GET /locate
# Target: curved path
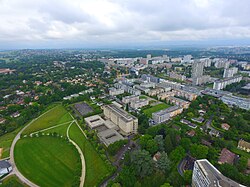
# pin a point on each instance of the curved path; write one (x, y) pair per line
(82, 179)
(12, 160)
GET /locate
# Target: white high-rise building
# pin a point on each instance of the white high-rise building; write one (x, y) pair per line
(206, 175)
(230, 72)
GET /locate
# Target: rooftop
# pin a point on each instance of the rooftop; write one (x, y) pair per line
(168, 110)
(215, 176)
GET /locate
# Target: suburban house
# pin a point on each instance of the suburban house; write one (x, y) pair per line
(225, 126)
(243, 145)
(226, 156)
(5, 167)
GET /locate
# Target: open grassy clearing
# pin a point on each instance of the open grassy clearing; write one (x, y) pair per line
(55, 116)
(148, 112)
(96, 168)
(12, 181)
(60, 129)
(5, 142)
(47, 161)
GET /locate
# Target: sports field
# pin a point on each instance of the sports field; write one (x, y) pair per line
(148, 112)
(96, 168)
(55, 116)
(47, 161)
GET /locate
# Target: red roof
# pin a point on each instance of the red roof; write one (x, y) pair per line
(226, 156)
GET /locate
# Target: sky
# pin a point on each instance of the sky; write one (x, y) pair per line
(106, 23)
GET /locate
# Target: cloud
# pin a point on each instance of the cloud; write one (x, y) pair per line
(121, 21)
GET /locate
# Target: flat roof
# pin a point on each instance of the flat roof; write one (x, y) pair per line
(167, 110)
(109, 136)
(120, 112)
(214, 175)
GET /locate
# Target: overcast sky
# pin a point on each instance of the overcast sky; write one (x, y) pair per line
(83, 23)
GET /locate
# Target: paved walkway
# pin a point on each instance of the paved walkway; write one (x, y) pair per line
(82, 178)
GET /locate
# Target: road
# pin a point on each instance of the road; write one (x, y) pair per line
(12, 160)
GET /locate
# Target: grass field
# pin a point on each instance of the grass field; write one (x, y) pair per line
(56, 116)
(62, 129)
(148, 112)
(96, 168)
(5, 142)
(47, 161)
(12, 181)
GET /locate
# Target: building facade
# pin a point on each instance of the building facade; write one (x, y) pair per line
(206, 175)
(127, 123)
(164, 115)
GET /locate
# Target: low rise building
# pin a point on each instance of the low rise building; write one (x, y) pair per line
(165, 95)
(177, 76)
(114, 91)
(139, 103)
(226, 156)
(164, 115)
(5, 167)
(225, 126)
(178, 102)
(206, 175)
(155, 91)
(127, 123)
(240, 102)
(129, 99)
(243, 145)
(185, 94)
(221, 84)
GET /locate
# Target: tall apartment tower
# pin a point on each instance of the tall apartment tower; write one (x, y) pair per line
(206, 175)
(229, 72)
(197, 72)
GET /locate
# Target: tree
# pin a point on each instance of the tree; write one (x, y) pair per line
(185, 143)
(163, 164)
(177, 154)
(199, 151)
(152, 146)
(142, 163)
(168, 144)
(188, 177)
(127, 176)
(116, 185)
(242, 164)
(159, 140)
(166, 185)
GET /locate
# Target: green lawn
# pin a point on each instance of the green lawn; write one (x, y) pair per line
(62, 130)
(56, 116)
(148, 112)
(143, 97)
(5, 142)
(47, 161)
(96, 168)
(12, 181)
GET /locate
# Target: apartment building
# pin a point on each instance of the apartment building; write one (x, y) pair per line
(185, 94)
(206, 175)
(177, 76)
(178, 102)
(114, 91)
(139, 103)
(164, 115)
(221, 84)
(156, 91)
(240, 102)
(127, 123)
(165, 95)
(130, 98)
